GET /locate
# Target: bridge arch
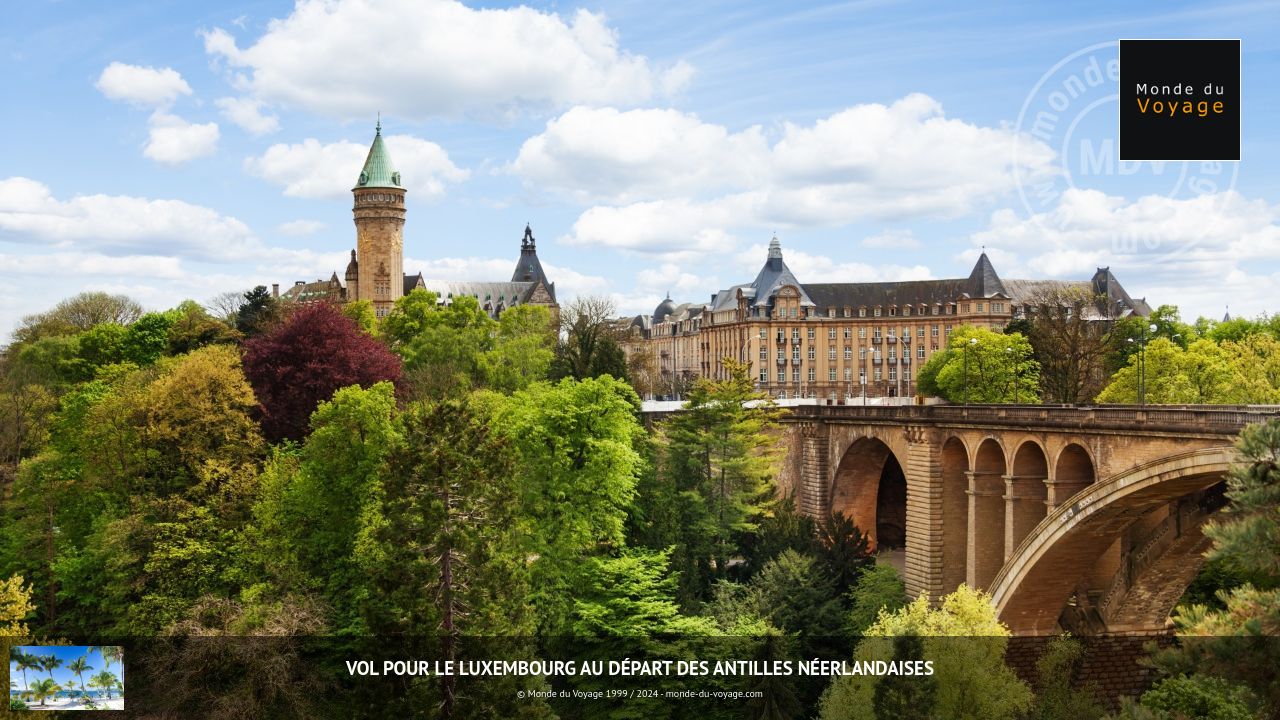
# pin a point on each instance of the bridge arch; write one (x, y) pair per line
(1073, 470)
(986, 512)
(1027, 493)
(955, 512)
(1033, 587)
(870, 488)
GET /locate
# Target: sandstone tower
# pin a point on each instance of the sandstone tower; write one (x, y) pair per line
(376, 270)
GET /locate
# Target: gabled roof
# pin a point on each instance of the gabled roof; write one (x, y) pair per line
(378, 171)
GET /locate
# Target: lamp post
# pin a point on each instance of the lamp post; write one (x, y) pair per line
(972, 342)
(1142, 362)
(1013, 374)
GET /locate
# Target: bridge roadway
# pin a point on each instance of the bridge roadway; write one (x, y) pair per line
(1079, 518)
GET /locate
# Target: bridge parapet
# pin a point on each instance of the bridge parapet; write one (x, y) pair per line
(1206, 418)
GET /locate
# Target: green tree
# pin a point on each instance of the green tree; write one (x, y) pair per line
(1055, 698)
(878, 589)
(147, 338)
(720, 458)
(793, 593)
(442, 345)
(522, 349)
(982, 366)
(1193, 698)
(590, 347)
(257, 311)
(361, 311)
(1166, 377)
(42, 690)
(78, 313)
(574, 478)
(105, 680)
(631, 595)
(1071, 339)
(972, 679)
(1255, 366)
(101, 345)
(80, 666)
(843, 551)
(192, 328)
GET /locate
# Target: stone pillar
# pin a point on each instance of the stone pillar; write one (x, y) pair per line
(815, 470)
(1024, 508)
(986, 526)
(1058, 492)
(923, 470)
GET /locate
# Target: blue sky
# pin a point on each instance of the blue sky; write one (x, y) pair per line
(62, 676)
(170, 150)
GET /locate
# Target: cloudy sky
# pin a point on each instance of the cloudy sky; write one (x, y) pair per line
(175, 150)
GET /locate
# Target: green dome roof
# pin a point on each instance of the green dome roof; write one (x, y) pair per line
(378, 171)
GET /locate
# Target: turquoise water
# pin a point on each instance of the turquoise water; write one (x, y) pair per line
(95, 694)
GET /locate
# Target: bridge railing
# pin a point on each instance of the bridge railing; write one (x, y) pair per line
(1210, 418)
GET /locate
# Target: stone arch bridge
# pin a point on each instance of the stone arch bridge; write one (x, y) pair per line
(1086, 519)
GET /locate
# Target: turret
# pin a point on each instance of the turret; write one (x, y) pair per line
(379, 216)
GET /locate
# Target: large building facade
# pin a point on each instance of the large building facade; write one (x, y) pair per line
(376, 270)
(835, 340)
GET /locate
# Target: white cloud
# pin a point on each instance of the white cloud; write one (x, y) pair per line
(665, 179)
(118, 224)
(142, 85)
(313, 170)
(347, 58)
(300, 227)
(174, 141)
(96, 264)
(674, 279)
(892, 240)
(1199, 252)
(619, 157)
(810, 268)
(248, 114)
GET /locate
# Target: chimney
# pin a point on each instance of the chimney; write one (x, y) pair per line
(275, 289)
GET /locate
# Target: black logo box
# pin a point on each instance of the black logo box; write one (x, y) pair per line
(1160, 77)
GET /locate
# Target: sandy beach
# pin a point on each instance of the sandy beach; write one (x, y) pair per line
(78, 704)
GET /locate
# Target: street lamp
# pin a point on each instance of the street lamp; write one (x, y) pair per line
(972, 342)
(1142, 362)
(1013, 375)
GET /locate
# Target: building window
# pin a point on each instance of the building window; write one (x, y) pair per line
(893, 311)
(831, 353)
(782, 376)
(920, 331)
(848, 373)
(811, 333)
(812, 375)
(831, 375)
(934, 348)
(795, 334)
(862, 353)
(862, 376)
(893, 374)
(795, 375)
(979, 307)
(831, 333)
(920, 351)
(831, 312)
(813, 352)
(875, 334)
(997, 307)
(906, 310)
(764, 375)
(862, 312)
(933, 331)
(848, 353)
(877, 312)
(795, 353)
(862, 333)
(948, 332)
(848, 333)
(764, 353)
(878, 376)
(764, 334)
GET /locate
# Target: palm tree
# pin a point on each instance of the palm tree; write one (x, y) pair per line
(104, 680)
(110, 654)
(24, 662)
(44, 689)
(49, 663)
(79, 666)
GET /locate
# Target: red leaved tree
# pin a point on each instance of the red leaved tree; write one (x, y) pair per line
(301, 362)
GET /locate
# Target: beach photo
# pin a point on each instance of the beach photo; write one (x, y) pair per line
(66, 677)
